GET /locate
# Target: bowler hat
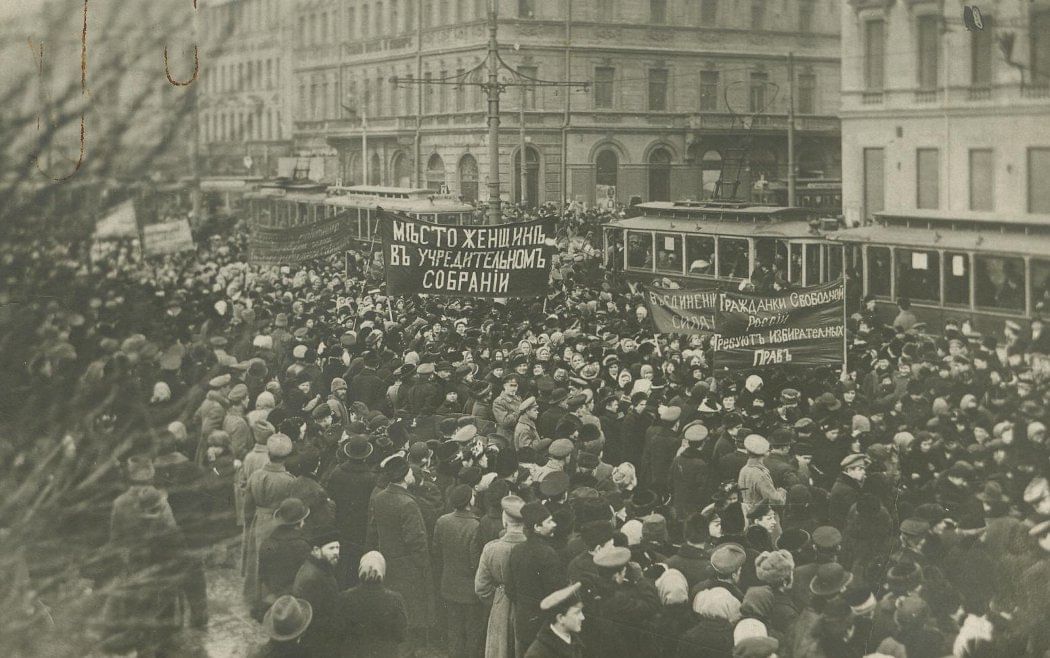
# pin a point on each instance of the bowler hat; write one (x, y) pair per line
(357, 447)
(291, 511)
(831, 578)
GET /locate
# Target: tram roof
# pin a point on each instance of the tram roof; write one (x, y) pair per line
(1018, 244)
(726, 207)
(784, 230)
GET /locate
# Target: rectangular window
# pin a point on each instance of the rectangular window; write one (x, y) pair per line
(669, 253)
(708, 12)
(700, 255)
(1039, 180)
(982, 180)
(658, 90)
(805, 16)
(807, 93)
(758, 14)
(428, 92)
(757, 98)
(658, 11)
(956, 278)
(1040, 282)
(795, 263)
(410, 91)
(461, 92)
(1040, 48)
(302, 31)
(709, 91)
(351, 23)
(982, 49)
(927, 175)
(640, 250)
(880, 272)
(529, 90)
(918, 275)
(269, 74)
(999, 282)
(812, 264)
(441, 89)
(929, 51)
(733, 258)
(526, 8)
(603, 87)
(380, 86)
(833, 253)
(874, 54)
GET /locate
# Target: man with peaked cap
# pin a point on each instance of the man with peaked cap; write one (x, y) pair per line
(534, 571)
(456, 563)
(847, 488)
(235, 422)
(692, 479)
(508, 407)
(491, 578)
(661, 445)
(625, 604)
(396, 529)
(563, 622)
(264, 492)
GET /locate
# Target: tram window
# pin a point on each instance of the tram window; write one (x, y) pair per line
(918, 275)
(366, 225)
(448, 220)
(999, 282)
(834, 260)
(780, 260)
(668, 252)
(812, 264)
(956, 278)
(640, 250)
(733, 258)
(795, 264)
(879, 271)
(1040, 286)
(700, 254)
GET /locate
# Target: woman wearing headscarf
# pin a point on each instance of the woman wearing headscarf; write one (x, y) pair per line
(376, 617)
(675, 616)
(712, 636)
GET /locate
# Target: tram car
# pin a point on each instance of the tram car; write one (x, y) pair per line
(976, 269)
(294, 204)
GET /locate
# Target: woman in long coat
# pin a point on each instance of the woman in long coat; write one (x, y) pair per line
(489, 581)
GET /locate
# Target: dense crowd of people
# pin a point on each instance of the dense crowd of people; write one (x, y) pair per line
(525, 478)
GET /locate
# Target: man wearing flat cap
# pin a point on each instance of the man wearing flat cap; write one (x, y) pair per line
(525, 433)
(422, 396)
(507, 408)
(211, 413)
(491, 578)
(727, 564)
(264, 492)
(535, 570)
(755, 481)
(396, 529)
(692, 479)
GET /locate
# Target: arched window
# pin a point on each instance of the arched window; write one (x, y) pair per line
(402, 170)
(532, 177)
(606, 165)
(375, 170)
(435, 173)
(468, 178)
(660, 175)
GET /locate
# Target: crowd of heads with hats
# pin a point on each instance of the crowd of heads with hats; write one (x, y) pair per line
(890, 483)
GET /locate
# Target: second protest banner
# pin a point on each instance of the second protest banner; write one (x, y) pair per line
(506, 260)
(682, 310)
(272, 245)
(802, 327)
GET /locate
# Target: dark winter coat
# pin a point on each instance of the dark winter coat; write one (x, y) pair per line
(534, 572)
(375, 620)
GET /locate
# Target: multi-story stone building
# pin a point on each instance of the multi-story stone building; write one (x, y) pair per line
(244, 84)
(674, 88)
(944, 122)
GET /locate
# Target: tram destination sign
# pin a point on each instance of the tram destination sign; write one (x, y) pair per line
(682, 310)
(802, 327)
(505, 260)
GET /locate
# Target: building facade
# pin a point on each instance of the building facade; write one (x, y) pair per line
(244, 114)
(675, 92)
(944, 122)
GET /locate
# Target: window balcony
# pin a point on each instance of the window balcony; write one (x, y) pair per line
(980, 93)
(925, 95)
(871, 98)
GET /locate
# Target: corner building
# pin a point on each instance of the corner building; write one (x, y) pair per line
(675, 88)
